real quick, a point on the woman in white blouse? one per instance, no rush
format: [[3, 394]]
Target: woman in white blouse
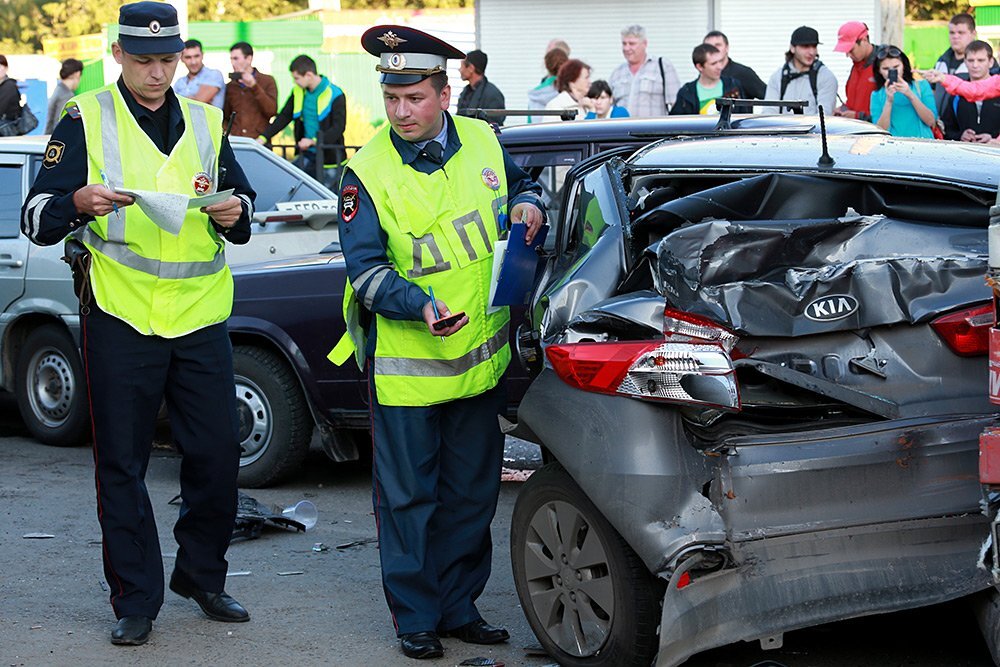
[[573, 83]]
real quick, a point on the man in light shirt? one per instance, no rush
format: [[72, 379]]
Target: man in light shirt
[[644, 85], [201, 83]]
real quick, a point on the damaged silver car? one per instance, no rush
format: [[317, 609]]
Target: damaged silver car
[[761, 381]]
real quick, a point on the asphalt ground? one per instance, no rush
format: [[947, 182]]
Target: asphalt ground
[[317, 607]]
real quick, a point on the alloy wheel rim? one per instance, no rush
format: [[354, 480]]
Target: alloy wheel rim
[[569, 579], [255, 420]]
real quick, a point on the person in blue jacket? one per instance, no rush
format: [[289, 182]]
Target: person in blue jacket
[[602, 99]]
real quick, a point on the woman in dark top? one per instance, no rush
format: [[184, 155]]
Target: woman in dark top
[[10, 96]]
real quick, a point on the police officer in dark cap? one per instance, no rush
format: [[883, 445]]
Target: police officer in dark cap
[[421, 208], [154, 298]]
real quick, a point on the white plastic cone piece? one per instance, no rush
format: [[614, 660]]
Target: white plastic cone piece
[[303, 511]]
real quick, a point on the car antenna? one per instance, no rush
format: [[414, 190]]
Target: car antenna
[[824, 160]]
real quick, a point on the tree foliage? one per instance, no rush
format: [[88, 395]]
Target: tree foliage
[[242, 10], [934, 10]]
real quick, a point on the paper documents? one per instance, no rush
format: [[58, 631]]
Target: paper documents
[[167, 210], [514, 266]]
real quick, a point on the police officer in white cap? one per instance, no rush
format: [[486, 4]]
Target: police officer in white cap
[[153, 311], [421, 207]]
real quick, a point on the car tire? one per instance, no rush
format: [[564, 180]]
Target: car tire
[[51, 387], [588, 597], [275, 425], [986, 607]]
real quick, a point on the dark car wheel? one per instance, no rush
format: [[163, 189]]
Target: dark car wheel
[[986, 606], [587, 596], [275, 426], [51, 389]]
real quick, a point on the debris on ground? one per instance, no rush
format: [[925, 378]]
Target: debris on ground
[[290, 573], [357, 543], [482, 662], [511, 475], [241, 573], [37, 536], [320, 547]]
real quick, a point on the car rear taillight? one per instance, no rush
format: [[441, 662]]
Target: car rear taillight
[[680, 326], [694, 373], [967, 331]]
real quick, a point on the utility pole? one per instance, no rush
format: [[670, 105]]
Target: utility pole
[[893, 14]]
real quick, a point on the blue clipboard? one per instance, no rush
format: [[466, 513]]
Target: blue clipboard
[[516, 274]]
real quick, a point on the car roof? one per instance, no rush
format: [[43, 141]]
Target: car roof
[[648, 129], [878, 155], [35, 143], [25, 144]]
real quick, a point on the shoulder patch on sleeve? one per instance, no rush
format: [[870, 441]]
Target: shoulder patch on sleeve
[[73, 112], [348, 202], [53, 154]]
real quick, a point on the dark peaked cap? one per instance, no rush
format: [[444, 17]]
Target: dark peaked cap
[[149, 27], [407, 55]]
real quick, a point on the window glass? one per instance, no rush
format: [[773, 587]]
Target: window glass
[[273, 180], [10, 201], [549, 169]]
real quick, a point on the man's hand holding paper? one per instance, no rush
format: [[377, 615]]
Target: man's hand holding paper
[[97, 200], [225, 213]]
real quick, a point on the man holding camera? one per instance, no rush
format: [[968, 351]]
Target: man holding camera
[[251, 94]]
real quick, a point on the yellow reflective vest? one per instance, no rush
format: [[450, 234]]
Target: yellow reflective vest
[[441, 230], [160, 283]]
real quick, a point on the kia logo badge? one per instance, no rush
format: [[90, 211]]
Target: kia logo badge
[[833, 307]]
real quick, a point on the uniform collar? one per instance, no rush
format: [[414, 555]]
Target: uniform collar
[[139, 111], [409, 151]]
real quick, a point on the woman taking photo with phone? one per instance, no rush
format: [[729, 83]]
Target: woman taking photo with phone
[[899, 104]]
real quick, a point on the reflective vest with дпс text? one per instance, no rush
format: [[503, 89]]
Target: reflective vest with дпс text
[[441, 230], [159, 283]]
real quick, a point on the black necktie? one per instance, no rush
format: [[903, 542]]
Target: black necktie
[[434, 151]]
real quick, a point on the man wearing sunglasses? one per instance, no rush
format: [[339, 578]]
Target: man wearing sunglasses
[[853, 41]]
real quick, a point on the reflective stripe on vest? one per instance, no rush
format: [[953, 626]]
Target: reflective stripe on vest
[[441, 230], [443, 367], [160, 283]]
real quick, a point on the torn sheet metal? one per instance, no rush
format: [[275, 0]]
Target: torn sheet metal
[[802, 277]]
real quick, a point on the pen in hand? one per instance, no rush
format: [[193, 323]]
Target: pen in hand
[[107, 184], [434, 305]]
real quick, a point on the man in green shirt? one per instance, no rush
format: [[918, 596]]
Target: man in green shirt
[[698, 96]]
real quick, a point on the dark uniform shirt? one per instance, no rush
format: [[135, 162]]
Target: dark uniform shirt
[[364, 241], [67, 174], [483, 95]]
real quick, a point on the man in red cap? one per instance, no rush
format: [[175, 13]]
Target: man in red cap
[[852, 39]]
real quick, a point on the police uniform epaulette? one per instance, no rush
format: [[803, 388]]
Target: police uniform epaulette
[[73, 112]]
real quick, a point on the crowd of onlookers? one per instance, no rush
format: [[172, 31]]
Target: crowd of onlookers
[[959, 99]]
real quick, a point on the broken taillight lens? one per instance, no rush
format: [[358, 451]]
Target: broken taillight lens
[[694, 373], [967, 331], [681, 326]]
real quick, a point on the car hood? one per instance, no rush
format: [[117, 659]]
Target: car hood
[[288, 263]]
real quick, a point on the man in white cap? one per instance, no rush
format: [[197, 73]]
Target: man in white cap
[[421, 208], [153, 307]]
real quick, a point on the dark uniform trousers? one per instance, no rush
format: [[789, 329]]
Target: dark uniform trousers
[[128, 375], [436, 479]]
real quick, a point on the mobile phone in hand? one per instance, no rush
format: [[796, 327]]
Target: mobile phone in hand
[[448, 321], [893, 75], [236, 76]]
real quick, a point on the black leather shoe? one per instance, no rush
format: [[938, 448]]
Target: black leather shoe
[[131, 630], [478, 632], [217, 606], [421, 645]]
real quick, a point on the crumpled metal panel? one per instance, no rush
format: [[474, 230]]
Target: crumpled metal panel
[[763, 277], [796, 581], [647, 479]]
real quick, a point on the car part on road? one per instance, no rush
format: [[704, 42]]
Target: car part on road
[[587, 595], [49, 386], [275, 425]]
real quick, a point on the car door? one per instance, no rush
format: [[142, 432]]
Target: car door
[[13, 245]]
